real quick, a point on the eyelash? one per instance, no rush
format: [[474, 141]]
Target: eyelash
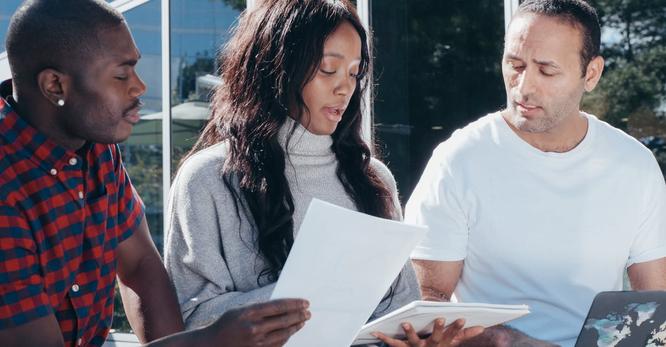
[[516, 68], [122, 78], [329, 73]]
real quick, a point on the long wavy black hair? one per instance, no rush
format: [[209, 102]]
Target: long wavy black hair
[[274, 51]]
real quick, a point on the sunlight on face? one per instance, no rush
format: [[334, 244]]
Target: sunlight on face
[[327, 95], [541, 67]]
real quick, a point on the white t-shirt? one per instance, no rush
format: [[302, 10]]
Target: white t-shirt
[[549, 230]]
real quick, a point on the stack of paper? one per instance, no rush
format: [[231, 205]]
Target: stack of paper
[[421, 315], [343, 262]]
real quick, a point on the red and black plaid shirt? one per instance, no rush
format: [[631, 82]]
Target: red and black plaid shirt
[[62, 216]]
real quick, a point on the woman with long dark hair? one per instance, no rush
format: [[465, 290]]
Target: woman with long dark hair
[[286, 127]]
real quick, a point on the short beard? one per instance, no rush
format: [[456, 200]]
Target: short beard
[[535, 126]]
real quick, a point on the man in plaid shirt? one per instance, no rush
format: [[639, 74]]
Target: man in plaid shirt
[[70, 219]]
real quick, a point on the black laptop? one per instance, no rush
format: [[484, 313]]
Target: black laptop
[[625, 319]]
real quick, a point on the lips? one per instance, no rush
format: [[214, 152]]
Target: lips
[[132, 115], [334, 112], [526, 109]]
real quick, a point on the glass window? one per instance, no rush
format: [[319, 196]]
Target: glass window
[[142, 152], [438, 68], [198, 30]]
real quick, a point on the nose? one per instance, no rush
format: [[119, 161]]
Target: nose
[[526, 83], [345, 86], [138, 88]]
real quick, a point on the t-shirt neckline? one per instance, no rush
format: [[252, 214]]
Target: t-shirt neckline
[[524, 146]]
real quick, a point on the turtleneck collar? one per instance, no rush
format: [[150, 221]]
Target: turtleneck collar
[[303, 142]]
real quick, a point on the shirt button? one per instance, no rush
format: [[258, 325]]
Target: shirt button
[[54, 172], [75, 288], [80, 195], [73, 161], [79, 342]]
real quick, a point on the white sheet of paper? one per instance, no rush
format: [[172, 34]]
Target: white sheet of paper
[[343, 262]]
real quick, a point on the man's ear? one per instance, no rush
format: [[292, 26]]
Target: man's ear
[[54, 86], [593, 73]]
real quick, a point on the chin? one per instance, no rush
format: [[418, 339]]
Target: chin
[[113, 139], [535, 125], [329, 130]]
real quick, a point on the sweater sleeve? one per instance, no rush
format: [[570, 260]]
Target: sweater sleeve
[[193, 252], [404, 288]]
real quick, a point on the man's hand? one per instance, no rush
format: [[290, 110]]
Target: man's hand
[[266, 324], [450, 336], [504, 336]]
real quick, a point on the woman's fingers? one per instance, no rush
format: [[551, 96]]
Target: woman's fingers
[[390, 341], [413, 339], [451, 332], [437, 333], [441, 336]]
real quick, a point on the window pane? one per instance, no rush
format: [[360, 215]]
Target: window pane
[[142, 152], [199, 28], [438, 68]]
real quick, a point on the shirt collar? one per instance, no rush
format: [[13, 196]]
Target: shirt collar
[[25, 140]]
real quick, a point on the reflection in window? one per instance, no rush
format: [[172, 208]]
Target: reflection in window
[[199, 29], [437, 68], [142, 152]]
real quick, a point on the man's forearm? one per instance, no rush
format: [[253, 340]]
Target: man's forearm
[[150, 301], [503, 336], [191, 338]]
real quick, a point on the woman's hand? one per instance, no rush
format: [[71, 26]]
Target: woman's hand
[[450, 336]]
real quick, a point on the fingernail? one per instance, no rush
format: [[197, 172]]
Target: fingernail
[[405, 326], [439, 321]]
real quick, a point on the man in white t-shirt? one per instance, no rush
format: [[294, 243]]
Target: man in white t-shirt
[[541, 204]]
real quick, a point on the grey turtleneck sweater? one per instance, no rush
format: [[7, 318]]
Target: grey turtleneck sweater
[[211, 254]]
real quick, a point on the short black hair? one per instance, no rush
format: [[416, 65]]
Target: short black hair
[[575, 12], [58, 34]]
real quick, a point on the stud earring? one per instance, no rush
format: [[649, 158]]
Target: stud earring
[[61, 102]]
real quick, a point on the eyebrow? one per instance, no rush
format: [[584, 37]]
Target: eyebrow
[[538, 62], [131, 61], [338, 55]]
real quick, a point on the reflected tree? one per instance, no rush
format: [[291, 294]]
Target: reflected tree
[[634, 82], [235, 4], [202, 65]]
